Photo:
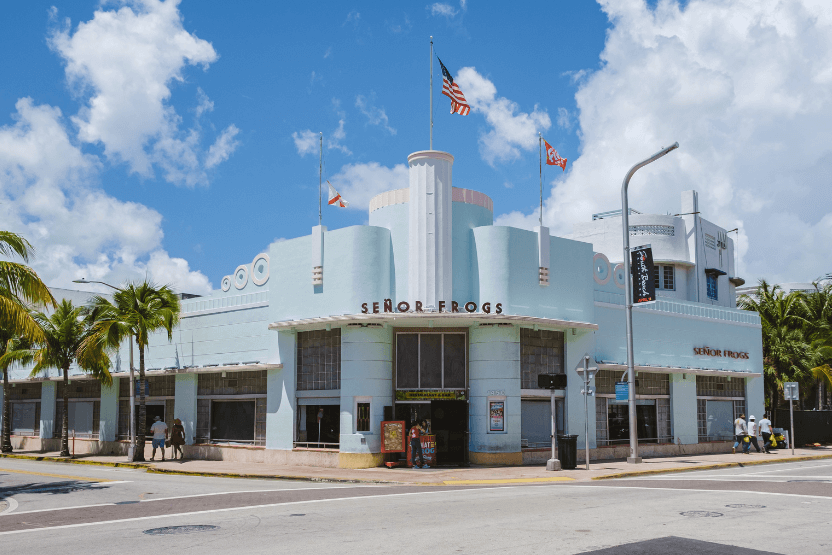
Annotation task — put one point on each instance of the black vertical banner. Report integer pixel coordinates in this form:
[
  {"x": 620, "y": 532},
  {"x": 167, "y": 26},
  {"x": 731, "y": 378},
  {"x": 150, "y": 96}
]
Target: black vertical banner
[{"x": 644, "y": 289}]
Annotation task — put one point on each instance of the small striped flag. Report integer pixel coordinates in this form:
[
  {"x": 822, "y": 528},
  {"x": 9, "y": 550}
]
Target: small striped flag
[
  {"x": 451, "y": 90},
  {"x": 335, "y": 197}
]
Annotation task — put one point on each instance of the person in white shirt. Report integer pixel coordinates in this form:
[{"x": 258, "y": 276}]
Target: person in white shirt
[
  {"x": 160, "y": 434},
  {"x": 741, "y": 430},
  {"x": 765, "y": 431},
  {"x": 752, "y": 433}
]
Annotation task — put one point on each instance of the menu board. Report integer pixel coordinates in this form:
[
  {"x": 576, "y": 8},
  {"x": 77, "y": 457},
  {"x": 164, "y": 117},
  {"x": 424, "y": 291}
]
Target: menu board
[
  {"x": 644, "y": 288},
  {"x": 392, "y": 436}
]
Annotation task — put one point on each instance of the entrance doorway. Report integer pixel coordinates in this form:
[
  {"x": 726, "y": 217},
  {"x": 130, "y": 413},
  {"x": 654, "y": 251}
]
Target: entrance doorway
[{"x": 449, "y": 421}]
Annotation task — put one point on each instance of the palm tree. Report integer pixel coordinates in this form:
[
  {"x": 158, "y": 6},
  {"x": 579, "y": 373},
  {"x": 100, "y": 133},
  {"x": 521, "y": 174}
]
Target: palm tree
[
  {"x": 787, "y": 353},
  {"x": 20, "y": 288},
  {"x": 817, "y": 324},
  {"x": 63, "y": 333},
  {"x": 136, "y": 311}
]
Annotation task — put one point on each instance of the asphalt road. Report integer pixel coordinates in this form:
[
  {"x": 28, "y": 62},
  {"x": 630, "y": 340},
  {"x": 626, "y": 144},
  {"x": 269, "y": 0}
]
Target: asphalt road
[{"x": 784, "y": 508}]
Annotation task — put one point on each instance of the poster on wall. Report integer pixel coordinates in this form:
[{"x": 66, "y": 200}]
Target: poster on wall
[
  {"x": 496, "y": 413},
  {"x": 392, "y": 436},
  {"x": 644, "y": 287}
]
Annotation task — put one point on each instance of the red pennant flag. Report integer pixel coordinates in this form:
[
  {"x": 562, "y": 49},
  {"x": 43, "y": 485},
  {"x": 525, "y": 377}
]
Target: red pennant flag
[{"x": 552, "y": 156}]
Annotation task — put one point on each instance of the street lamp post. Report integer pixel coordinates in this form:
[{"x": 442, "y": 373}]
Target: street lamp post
[
  {"x": 131, "y": 450},
  {"x": 628, "y": 300}
]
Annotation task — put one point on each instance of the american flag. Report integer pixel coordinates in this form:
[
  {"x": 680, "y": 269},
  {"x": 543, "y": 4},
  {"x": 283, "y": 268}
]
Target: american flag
[{"x": 451, "y": 90}]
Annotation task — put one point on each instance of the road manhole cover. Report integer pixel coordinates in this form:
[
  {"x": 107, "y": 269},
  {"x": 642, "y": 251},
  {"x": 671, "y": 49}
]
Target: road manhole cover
[
  {"x": 187, "y": 529},
  {"x": 700, "y": 514},
  {"x": 742, "y": 506}
]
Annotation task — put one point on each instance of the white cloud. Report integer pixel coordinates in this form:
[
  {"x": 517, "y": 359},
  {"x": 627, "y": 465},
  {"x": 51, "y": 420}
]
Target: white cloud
[
  {"x": 511, "y": 130},
  {"x": 745, "y": 89},
  {"x": 335, "y": 138},
  {"x": 358, "y": 183},
  {"x": 306, "y": 141},
  {"x": 48, "y": 194},
  {"x": 463, "y": 4},
  {"x": 564, "y": 119},
  {"x": 441, "y": 9},
  {"x": 375, "y": 115},
  {"x": 122, "y": 63},
  {"x": 223, "y": 147}
]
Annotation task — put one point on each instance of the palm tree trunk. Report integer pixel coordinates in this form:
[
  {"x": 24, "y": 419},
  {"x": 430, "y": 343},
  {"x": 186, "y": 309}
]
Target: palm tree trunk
[
  {"x": 138, "y": 455},
  {"x": 65, "y": 416},
  {"x": 7, "y": 414}
]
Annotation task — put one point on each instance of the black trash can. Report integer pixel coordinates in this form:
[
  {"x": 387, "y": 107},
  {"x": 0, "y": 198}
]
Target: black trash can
[{"x": 568, "y": 452}]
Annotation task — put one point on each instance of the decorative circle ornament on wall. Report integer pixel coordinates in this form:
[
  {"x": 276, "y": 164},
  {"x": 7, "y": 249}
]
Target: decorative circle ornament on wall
[
  {"x": 241, "y": 276},
  {"x": 260, "y": 269},
  {"x": 618, "y": 275},
  {"x": 226, "y": 283},
  {"x": 602, "y": 268}
]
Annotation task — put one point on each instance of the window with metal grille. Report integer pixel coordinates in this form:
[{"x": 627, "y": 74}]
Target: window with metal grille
[
  {"x": 362, "y": 417},
  {"x": 541, "y": 352},
  {"x": 669, "y": 277},
  {"x": 319, "y": 359},
  {"x": 713, "y": 293}
]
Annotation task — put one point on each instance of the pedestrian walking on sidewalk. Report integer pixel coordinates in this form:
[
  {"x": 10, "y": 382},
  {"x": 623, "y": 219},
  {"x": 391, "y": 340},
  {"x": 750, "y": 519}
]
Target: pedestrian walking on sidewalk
[
  {"x": 765, "y": 431},
  {"x": 177, "y": 439},
  {"x": 752, "y": 433},
  {"x": 741, "y": 430},
  {"x": 160, "y": 434}
]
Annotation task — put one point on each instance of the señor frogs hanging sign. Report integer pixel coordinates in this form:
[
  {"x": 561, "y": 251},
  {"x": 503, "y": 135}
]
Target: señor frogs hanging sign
[{"x": 387, "y": 306}]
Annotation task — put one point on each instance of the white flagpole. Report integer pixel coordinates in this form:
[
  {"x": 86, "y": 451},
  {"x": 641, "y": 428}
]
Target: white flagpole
[
  {"x": 540, "y": 152},
  {"x": 431, "y": 92},
  {"x": 320, "y": 178}
]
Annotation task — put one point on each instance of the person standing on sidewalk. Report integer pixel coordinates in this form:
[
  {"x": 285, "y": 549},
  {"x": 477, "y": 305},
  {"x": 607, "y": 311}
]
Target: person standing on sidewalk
[
  {"x": 177, "y": 439},
  {"x": 160, "y": 434},
  {"x": 416, "y": 446},
  {"x": 765, "y": 431},
  {"x": 741, "y": 430},
  {"x": 752, "y": 433}
]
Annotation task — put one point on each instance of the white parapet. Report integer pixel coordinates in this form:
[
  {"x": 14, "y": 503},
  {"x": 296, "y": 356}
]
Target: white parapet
[{"x": 430, "y": 261}]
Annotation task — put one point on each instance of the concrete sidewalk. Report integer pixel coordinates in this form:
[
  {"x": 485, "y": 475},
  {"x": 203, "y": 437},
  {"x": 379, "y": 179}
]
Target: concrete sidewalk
[{"x": 445, "y": 476}]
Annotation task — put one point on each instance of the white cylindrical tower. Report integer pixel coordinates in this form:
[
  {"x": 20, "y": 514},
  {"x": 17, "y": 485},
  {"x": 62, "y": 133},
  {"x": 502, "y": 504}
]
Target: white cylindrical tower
[{"x": 430, "y": 263}]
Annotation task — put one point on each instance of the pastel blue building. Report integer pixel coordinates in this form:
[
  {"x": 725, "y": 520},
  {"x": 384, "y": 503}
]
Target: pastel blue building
[{"x": 432, "y": 312}]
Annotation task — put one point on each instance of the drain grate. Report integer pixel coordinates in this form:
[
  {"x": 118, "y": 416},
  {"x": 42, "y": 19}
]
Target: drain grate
[
  {"x": 701, "y": 514},
  {"x": 186, "y": 529},
  {"x": 298, "y": 514},
  {"x": 742, "y": 506}
]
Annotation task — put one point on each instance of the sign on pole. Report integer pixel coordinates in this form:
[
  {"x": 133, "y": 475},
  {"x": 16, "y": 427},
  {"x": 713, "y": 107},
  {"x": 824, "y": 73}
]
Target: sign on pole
[
  {"x": 791, "y": 392},
  {"x": 622, "y": 391},
  {"x": 644, "y": 287}
]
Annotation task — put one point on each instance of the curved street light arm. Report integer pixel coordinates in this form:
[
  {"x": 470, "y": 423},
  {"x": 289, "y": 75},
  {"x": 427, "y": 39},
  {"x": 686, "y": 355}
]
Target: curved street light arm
[{"x": 628, "y": 300}]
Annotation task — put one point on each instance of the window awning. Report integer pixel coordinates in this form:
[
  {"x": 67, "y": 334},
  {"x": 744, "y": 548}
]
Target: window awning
[{"x": 715, "y": 272}]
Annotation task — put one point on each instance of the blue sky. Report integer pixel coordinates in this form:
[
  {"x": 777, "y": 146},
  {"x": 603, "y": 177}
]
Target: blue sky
[{"x": 169, "y": 139}]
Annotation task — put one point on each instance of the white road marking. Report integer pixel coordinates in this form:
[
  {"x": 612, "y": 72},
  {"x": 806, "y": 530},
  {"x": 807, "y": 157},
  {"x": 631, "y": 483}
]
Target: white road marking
[
  {"x": 178, "y": 497},
  {"x": 249, "y": 507},
  {"x": 12, "y": 506},
  {"x": 711, "y": 491}
]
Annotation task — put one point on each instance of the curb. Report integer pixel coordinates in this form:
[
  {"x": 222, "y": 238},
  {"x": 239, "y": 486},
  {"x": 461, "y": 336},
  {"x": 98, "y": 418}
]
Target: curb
[
  {"x": 72, "y": 461},
  {"x": 709, "y": 467},
  {"x": 155, "y": 470}
]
